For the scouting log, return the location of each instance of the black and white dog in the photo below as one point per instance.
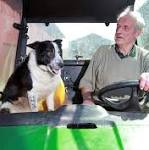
(35, 78)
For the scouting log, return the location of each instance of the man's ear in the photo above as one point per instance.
(139, 32)
(58, 42)
(34, 45)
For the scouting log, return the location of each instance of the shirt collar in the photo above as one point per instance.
(121, 55)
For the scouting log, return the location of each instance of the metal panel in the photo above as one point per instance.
(72, 73)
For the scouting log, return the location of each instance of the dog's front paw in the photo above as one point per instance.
(5, 111)
(5, 108)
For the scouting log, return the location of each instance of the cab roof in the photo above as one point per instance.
(73, 10)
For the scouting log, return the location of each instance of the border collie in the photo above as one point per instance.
(37, 77)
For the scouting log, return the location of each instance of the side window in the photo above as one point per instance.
(142, 7)
(79, 39)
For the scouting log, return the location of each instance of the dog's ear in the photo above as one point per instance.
(58, 42)
(34, 45)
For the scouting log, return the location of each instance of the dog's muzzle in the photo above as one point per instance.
(56, 68)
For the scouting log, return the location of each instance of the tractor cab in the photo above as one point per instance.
(83, 26)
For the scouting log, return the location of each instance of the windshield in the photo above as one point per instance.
(81, 39)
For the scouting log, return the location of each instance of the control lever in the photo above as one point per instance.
(77, 57)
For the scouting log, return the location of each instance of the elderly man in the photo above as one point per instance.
(122, 61)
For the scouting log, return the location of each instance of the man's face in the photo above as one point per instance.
(126, 32)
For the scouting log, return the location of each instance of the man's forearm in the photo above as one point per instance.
(87, 95)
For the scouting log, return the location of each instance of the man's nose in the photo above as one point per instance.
(119, 30)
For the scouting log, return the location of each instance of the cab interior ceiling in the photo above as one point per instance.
(73, 11)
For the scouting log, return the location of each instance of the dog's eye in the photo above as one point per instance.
(51, 54)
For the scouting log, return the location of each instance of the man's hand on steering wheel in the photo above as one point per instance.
(144, 82)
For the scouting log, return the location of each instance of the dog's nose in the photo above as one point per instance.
(61, 64)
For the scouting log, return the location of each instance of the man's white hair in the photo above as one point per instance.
(140, 23)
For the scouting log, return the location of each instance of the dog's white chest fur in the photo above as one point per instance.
(43, 84)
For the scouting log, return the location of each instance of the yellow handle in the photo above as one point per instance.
(59, 97)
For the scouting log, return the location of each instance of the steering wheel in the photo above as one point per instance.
(124, 95)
